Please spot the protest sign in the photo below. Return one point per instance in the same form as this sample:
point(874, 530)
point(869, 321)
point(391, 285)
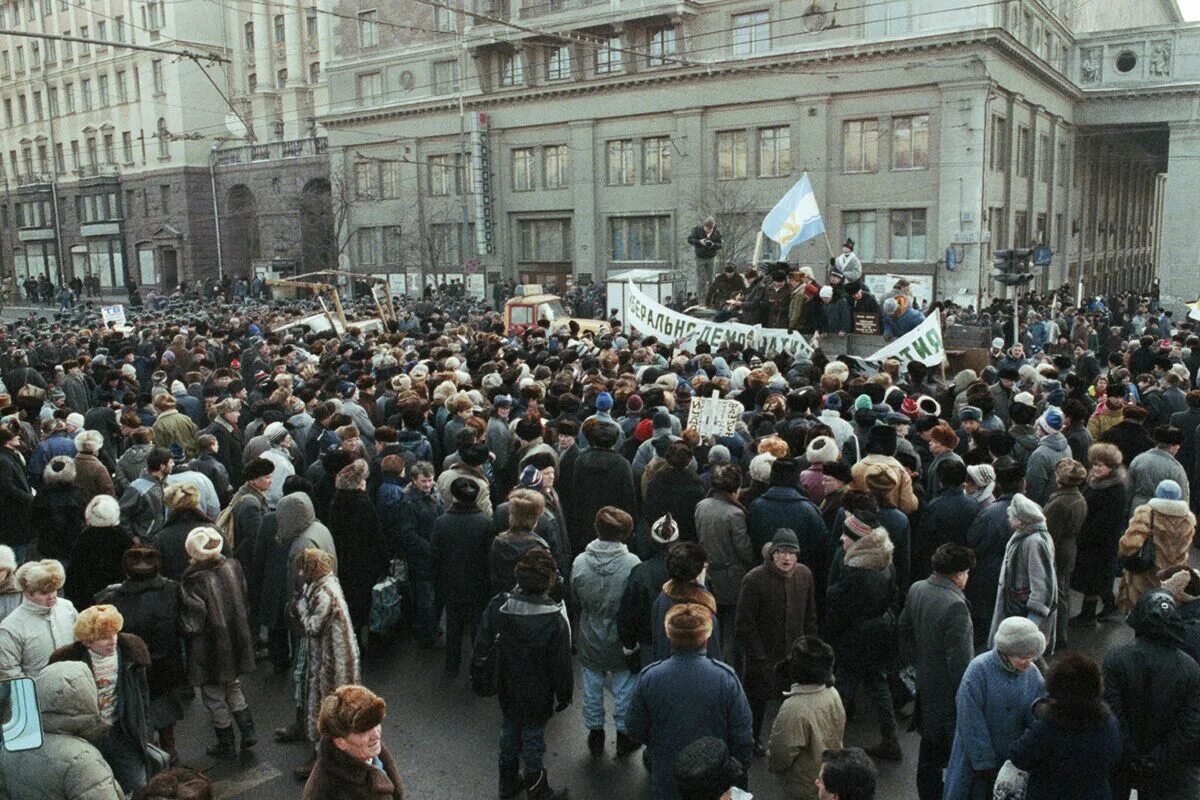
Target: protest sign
point(712, 416)
point(923, 343)
point(114, 314)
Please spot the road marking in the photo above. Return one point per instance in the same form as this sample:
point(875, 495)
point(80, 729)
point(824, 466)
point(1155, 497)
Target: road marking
point(245, 781)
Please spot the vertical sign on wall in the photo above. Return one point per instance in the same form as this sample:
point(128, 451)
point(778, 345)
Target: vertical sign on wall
point(481, 178)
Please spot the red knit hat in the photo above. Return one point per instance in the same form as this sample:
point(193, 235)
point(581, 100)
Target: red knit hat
point(644, 430)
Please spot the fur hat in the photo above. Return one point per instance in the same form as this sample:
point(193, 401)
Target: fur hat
point(8, 559)
point(821, 449)
point(204, 543)
point(1168, 435)
point(89, 442)
point(664, 530)
point(944, 435)
point(536, 571)
point(809, 662)
point(314, 563)
point(880, 478)
point(760, 467)
point(178, 783)
point(351, 476)
point(1019, 637)
point(350, 709)
point(784, 472)
point(465, 491)
point(180, 496)
point(257, 468)
point(1182, 582)
point(881, 439)
point(39, 577)
point(1023, 512)
point(142, 561)
point(1069, 472)
point(705, 768)
point(98, 622)
point(688, 626)
point(60, 471)
point(613, 524)
point(103, 511)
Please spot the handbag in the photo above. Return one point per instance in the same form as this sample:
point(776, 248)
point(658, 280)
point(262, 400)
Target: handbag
point(31, 391)
point(1011, 783)
point(387, 601)
point(485, 663)
point(1143, 559)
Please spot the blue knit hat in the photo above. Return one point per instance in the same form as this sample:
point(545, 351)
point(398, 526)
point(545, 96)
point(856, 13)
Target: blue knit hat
point(1051, 421)
point(1168, 490)
point(604, 402)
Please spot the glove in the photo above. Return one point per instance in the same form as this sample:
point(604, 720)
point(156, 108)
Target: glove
point(633, 658)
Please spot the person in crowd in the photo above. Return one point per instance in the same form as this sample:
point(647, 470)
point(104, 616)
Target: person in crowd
point(598, 578)
point(783, 505)
point(97, 555)
point(40, 625)
point(994, 707)
point(810, 721)
point(184, 514)
point(410, 526)
point(705, 770)
point(687, 696)
point(776, 606)
point(358, 542)
point(601, 477)
point(935, 632)
point(142, 510)
point(535, 680)
point(846, 775)
point(1065, 515)
point(687, 572)
point(1160, 463)
point(16, 494)
point(672, 486)
point(1027, 586)
point(1183, 583)
point(208, 465)
point(1052, 447)
point(646, 579)
point(1169, 524)
point(352, 761)
point(173, 427)
point(721, 531)
point(462, 535)
point(58, 510)
point(10, 595)
point(91, 475)
point(1096, 568)
point(988, 537)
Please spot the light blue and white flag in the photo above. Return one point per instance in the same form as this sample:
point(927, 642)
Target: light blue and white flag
point(795, 219)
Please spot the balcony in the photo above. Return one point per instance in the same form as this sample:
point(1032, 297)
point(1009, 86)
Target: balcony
point(99, 171)
point(30, 180)
point(272, 151)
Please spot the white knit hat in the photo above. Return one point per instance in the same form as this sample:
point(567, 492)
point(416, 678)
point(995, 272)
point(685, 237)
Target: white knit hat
point(1019, 637)
point(204, 543)
point(821, 449)
point(1023, 512)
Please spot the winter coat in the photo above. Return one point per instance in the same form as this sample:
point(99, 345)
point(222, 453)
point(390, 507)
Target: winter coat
point(601, 478)
point(1028, 585)
point(208, 466)
point(550, 528)
point(410, 531)
point(67, 766)
point(504, 553)
point(461, 470)
point(1173, 526)
point(598, 579)
point(810, 721)
point(935, 630)
point(902, 496)
point(133, 694)
point(1080, 440)
point(988, 536)
point(677, 492)
point(754, 303)
point(461, 538)
point(361, 551)
point(1150, 469)
point(16, 497)
point(946, 518)
point(130, 465)
point(142, 510)
point(10, 596)
point(91, 478)
point(1102, 423)
point(173, 427)
point(681, 699)
point(534, 672)
point(1039, 471)
point(170, 540)
point(54, 445)
point(1131, 437)
point(58, 516)
point(774, 609)
point(641, 590)
point(723, 289)
point(721, 531)
point(994, 708)
point(1096, 557)
point(859, 619)
point(297, 529)
point(31, 633)
point(215, 620)
point(229, 449)
point(1067, 753)
point(332, 646)
point(97, 561)
point(339, 775)
point(1065, 515)
point(673, 593)
point(785, 507)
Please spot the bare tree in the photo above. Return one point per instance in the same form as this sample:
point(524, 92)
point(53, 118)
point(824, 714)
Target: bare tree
point(737, 212)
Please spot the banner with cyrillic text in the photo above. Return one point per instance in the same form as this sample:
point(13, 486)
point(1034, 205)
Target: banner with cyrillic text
point(923, 343)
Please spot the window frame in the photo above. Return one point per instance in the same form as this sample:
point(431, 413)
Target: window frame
point(621, 171)
point(523, 159)
point(911, 214)
point(779, 154)
point(656, 150)
point(755, 43)
point(910, 121)
point(735, 137)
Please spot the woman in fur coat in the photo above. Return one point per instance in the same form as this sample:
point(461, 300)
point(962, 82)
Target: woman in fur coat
point(332, 646)
point(1166, 518)
point(1107, 494)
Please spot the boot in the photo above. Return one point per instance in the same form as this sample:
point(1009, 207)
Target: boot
point(1110, 608)
point(596, 741)
point(888, 749)
point(626, 744)
point(304, 770)
point(246, 728)
point(511, 782)
point(1087, 613)
point(294, 731)
point(537, 787)
point(224, 748)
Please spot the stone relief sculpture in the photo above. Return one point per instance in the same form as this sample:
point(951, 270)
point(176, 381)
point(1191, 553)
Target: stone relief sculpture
point(1089, 65)
point(1160, 59)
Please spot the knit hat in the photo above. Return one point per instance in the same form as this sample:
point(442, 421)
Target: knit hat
point(1051, 421)
point(688, 626)
point(1023, 512)
point(1168, 490)
point(718, 454)
point(98, 622)
point(945, 436)
point(784, 539)
point(909, 407)
point(643, 431)
point(351, 476)
point(705, 769)
point(465, 491)
point(857, 528)
point(833, 402)
point(1019, 637)
point(826, 293)
point(257, 468)
point(350, 709)
point(40, 577)
point(821, 449)
point(604, 401)
point(664, 530)
point(204, 543)
point(981, 474)
point(862, 403)
point(275, 432)
point(103, 511)
point(531, 477)
point(633, 404)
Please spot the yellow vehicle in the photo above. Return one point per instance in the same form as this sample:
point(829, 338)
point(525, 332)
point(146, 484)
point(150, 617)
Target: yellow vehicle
point(531, 305)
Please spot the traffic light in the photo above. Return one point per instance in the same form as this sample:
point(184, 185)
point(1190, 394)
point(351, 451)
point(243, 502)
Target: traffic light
point(1013, 266)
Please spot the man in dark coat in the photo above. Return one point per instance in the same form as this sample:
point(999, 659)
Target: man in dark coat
point(779, 297)
point(936, 632)
point(1130, 435)
point(686, 562)
point(534, 678)
point(988, 536)
point(705, 239)
point(783, 505)
point(642, 589)
point(408, 527)
point(1188, 421)
point(352, 763)
point(601, 478)
point(358, 539)
point(754, 300)
point(459, 565)
point(724, 288)
point(1153, 688)
point(775, 607)
point(15, 495)
point(947, 517)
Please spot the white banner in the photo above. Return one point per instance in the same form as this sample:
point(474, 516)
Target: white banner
point(113, 314)
point(649, 317)
point(923, 343)
point(712, 416)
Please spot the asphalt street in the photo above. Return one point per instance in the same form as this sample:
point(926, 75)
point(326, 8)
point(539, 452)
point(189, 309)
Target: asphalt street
point(444, 739)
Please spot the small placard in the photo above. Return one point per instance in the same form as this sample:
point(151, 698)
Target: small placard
point(866, 324)
point(712, 416)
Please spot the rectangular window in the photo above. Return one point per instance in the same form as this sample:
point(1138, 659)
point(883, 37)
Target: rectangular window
point(751, 33)
point(445, 77)
point(656, 159)
point(608, 59)
point(248, 36)
point(60, 158)
point(998, 151)
point(5, 62)
point(127, 147)
point(280, 30)
point(908, 234)
point(860, 145)
point(85, 93)
point(662, 46)
point(620, 163)
point(860, 226)
point(68, 48)
point(1045, 163)
point(102, 90)
point(558, 64)
point(51, 51)
point(84, 47)
point(20, 59)
point(69, 97)
point(522, 169)
point(310, 22)
point(368, 28)
point(731, 155)
point(910, 142)
point(640, 238)
point(544, 240)
point(155, 15)
point(110, 149)
point(366, 180)
point(1022, 154)
point(512, 72)
point(464, 177)
point(389, 179)
point(774, 151)
point(8, 112)
point(156, 71)
point(1060, 166)
point(75, 154)
point(392, 241)
point(1040, 234)
point(101, 31)
point(370, 246)
point(445, 19)
point(52, 101)
point(122, 86)
point(441, 175)
point(37, 106)
point(555, 161)
point(370, 87)
point(119, 28)
point(35, 55)
point(1020, 229)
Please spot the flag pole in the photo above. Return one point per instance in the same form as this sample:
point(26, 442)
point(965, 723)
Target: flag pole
point(827, 243)
point(758, 246)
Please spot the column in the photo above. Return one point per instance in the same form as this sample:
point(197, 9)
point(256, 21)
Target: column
point(1180, 254)
point(587, 236)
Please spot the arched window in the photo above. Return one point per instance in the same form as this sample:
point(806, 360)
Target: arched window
point(314, 72)
point(164, 137)
point(280, 35)
point(252, 81)
point(249, 28)
point(281, 79)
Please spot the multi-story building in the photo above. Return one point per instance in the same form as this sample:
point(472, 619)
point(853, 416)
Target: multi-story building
point(598, 132)
point(114, 158)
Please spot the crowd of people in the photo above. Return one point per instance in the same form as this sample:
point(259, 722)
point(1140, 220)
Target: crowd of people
point(210, 492)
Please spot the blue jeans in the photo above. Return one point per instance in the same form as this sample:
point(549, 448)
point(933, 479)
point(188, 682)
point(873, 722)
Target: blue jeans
point(426, 616)
point(526, 742)
point(621, 686)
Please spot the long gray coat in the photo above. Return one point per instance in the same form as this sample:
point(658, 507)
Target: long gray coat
point(935, 628)
point(1148, 470)
point(721, 531)
point(1039, 472)
point(1027, 583)
point(598, 579)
